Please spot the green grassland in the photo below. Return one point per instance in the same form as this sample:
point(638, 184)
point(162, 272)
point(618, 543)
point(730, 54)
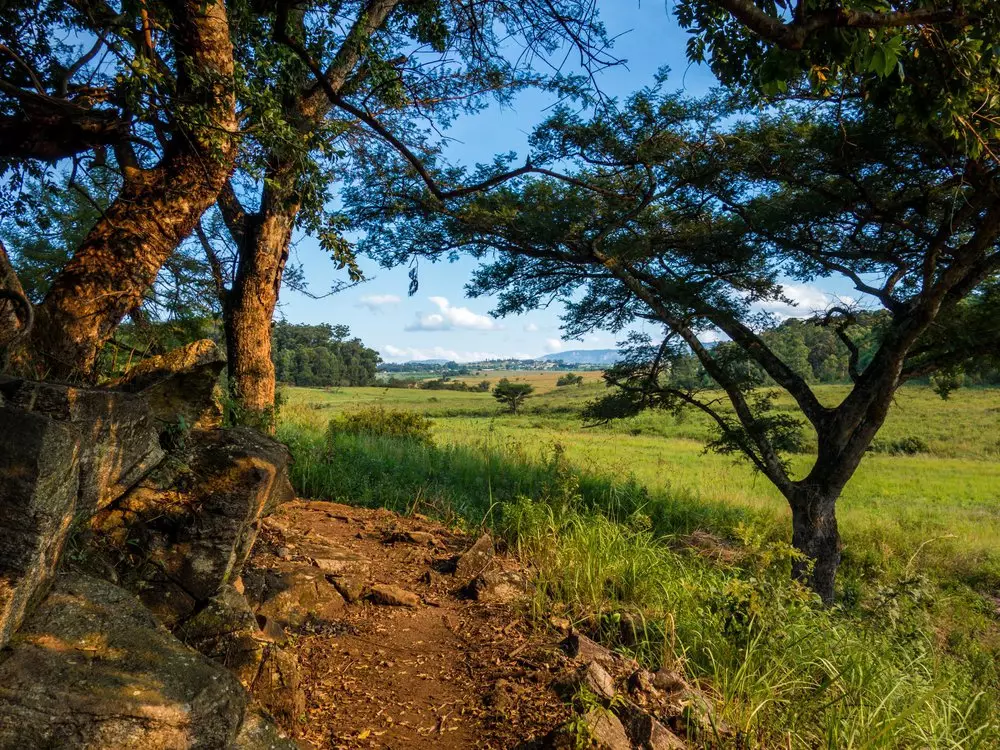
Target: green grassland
point(636, 519)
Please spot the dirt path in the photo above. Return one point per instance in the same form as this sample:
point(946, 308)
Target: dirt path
point(448, 671)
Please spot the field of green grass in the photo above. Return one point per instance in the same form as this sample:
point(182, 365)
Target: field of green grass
point(609, 517)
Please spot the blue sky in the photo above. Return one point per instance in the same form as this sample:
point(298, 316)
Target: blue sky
point(439, 322)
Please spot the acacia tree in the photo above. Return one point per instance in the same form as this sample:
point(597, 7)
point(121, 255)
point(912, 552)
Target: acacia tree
point(511, 395)
point(157, 88)
point(682, 221)
point(328, 84)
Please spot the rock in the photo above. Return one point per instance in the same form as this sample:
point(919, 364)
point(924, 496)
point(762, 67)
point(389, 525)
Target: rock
point(297, 592)
point(227, 631)
point(632, 629)
point(91, 668)
point(196, 517)
point(271, 631)
point(424, 538)
point(349, 587)
point(278, 686)
point(393, 596)
point(39, 480)
point(640, 684)
point(597, 680)
point(337, 561)
point(698, 718)
point(168, 601)
point(597, 730)
point(561, 624)
point(181, 384)
point(646, 732)
point(497, 586)
point(119, 439)
point(476, 559)
point(258, 733)
point(669, 681)
point(584, 650)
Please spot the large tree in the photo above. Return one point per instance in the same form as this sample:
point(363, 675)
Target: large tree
point(680, 218)
point(154, 83)
point(329, 84)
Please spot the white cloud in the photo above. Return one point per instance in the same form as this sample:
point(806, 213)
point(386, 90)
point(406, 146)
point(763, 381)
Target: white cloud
point(413, 354)
point(530, 327)
point(553, 345)
point(451, 317)
point(805, 300)
point(376, 302)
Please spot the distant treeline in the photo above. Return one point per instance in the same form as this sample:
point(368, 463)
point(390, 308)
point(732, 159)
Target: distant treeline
point(817, 353)
point(321, 355)
point(437, 384)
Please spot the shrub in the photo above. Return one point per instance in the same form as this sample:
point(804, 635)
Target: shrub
point(379, 421)
point(569, 379)
point(904, 446)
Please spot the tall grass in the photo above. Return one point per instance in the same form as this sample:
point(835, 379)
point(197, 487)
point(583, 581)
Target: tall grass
point(617, 559)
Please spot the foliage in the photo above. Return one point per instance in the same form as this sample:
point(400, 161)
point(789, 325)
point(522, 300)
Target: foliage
point(321, 355)
point(377, 421)
point(934, 66)
point(510, 394)
point(569, 379)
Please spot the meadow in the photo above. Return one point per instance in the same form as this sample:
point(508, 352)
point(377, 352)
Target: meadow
point(634, 522)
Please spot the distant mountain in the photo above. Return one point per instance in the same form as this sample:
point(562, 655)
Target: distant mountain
point(584, 357)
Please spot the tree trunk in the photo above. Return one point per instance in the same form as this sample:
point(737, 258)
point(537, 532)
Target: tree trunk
point(814, 533)
point(119, 259)
point(251, 305)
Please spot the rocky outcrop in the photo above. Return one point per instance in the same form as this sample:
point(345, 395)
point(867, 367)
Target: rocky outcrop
point(181, 386)
point(196, 517)
point(119, 442)
point(91, 668)
point(39, 481)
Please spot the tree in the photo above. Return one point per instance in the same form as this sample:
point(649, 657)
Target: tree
point(682, 218)
point(511, 395)
point(155, 83)
point(322, 355)
point(569, 379)
point(330, 83)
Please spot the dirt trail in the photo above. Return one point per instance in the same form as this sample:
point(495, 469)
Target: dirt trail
point(448, 671)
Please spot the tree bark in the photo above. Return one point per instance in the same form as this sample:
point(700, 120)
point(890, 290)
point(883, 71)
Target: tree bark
point(815, 534)
point(119, 259)
point(253, 298)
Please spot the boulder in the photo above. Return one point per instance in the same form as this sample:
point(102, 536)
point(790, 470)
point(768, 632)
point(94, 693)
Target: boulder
point(197, 516)
point(293, 594)
point(227, 631)
point(92, 668)
point(119, 437)
point(182, 384)
point(39, 480)
point(277, 686)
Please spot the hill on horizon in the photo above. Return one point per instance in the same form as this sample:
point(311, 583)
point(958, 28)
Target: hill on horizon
point(584, 357)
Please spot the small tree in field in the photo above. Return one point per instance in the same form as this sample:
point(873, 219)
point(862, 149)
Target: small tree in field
point(683, 217)
point(511, 395)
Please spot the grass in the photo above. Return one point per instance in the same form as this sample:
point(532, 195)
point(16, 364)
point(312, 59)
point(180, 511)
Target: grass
point(909, 657)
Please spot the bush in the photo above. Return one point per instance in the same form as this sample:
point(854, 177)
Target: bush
point(569, 379)
point(904, 446)
point(382, 422)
